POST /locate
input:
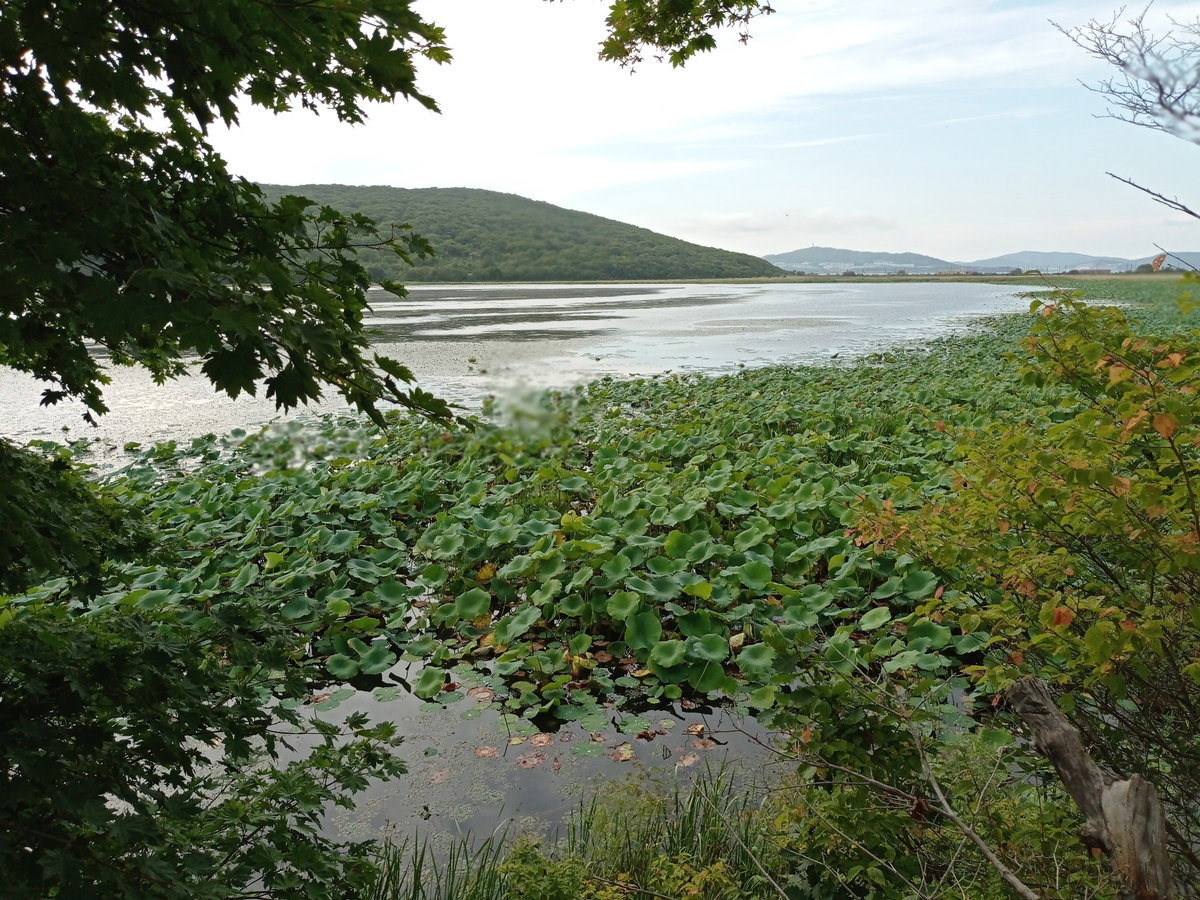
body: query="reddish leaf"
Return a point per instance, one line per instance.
(1165, 424)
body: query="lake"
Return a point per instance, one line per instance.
(468, 769)
(466, 342)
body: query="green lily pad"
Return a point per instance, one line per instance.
(429, 683)
(876, 618)
(643, 630)
(587, 749)
(597, 721)
(635, 725)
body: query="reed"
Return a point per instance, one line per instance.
(707, 839)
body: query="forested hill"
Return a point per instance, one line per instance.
(488, 236)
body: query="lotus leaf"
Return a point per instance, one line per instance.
(875, 618)
(429, 683)
(710, 647)
(918, 585)
(623, 604)
(668, 653)
(756, 660)
(755, 575)
(677, 544)
(341, 666)
(473, 603)
(643, 630)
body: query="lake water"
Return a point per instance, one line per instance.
(467, 342)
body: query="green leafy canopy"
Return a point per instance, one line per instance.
(120, 224)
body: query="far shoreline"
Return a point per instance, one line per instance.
(1043, 280)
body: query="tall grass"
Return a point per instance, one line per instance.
(707, 840)
(469, 871)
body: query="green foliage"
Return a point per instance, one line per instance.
(851, 840)
(140, 750)
(686, 557)
(488, 236)
(634, 540)
(1073, 541)
(722, 837)
(120, 225)
(533, 876)
(54, 522)
(676, 29)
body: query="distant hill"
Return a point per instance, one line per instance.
(1035, 259)
(830, 260)
(814, 258)
(488, 236)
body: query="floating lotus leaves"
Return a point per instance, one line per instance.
(635, 725)
(596, 721)
(756, 660)
(710, 648)
(473, 604)
(587, 749)
(429, 683)
(875, 618)
(755, 575)
(623, 604)
(333, 700)
(668, 653)
(643, 630)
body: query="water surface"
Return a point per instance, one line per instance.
(466, 342)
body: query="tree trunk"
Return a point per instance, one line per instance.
(1124, 818)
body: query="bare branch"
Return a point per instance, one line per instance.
(1170, 202)
(1159, 84)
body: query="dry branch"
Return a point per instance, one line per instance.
(1124, 817)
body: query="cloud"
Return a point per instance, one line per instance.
(824, 142)
(823, 125)
(824, 220)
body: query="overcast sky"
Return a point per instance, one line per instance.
(956, 128)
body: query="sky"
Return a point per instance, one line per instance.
(956, 128)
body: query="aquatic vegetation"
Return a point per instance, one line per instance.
(721, 836)
(611, 548)
(640, 539)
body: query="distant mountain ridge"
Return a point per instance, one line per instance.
(837, 256)
(483, 235)
(831, 259)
